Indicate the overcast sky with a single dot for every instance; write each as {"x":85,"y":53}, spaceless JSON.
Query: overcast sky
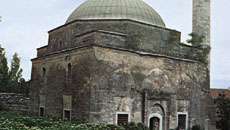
{"x":25,"y":24}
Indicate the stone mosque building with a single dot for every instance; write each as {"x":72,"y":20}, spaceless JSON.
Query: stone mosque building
{"x":115,"y":61}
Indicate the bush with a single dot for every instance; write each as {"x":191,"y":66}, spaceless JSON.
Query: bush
{"x":196,"y":127}
{"x":134,"y":126}
{"x":98,"y":127}
{"x":15,"y":121}
{"x":87,"y":126}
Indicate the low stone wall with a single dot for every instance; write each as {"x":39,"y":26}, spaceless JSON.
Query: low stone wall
{"x":14,"y":102}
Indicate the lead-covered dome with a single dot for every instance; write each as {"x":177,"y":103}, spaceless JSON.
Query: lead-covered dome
{"x":136,"y":10}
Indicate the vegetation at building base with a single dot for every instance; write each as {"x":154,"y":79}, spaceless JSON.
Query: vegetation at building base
{"x":223,"y":112}
{"x":11,"y":80}
{"x":196,"y":127}
{"x":14,"y":121}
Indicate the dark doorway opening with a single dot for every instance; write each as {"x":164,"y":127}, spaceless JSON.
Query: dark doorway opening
{"x":67,"y":115}
{"x":41,"y":111}
{"x":154,"y":123}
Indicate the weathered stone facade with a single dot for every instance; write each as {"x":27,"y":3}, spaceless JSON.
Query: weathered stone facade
{"x":113,"y":66}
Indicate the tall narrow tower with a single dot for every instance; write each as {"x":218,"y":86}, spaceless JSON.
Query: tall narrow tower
{"x":201,"y":26}
{"x":201,"y":19}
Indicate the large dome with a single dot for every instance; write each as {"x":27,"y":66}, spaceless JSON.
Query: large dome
{"x":136,"y":10}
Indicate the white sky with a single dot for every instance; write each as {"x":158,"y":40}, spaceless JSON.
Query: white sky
{"x":25,"y":24}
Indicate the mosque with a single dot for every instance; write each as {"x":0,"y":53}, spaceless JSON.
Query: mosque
{"x":115,"y":61}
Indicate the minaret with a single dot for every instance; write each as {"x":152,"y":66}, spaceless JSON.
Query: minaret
{"x":201,"y":19}
{"x":202,"y":23}
{"x":201,"y":26}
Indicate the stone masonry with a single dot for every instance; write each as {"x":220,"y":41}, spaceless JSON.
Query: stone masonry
{"x":96,"y":69}
{"x":14,"y":102}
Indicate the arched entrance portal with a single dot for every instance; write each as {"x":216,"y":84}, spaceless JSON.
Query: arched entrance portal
{"x":155,"y":122}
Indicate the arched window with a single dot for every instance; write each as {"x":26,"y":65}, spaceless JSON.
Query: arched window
{"x":43,"y":72}
{"x":42,"y":102}
{"x":60,"y":44}
{"x":69,"y":71}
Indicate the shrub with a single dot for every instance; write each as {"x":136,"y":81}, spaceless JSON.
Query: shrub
{"x":86,"y":127}
{"x":15,"y":121}
{"x":98,"y":127}
{"x":134,"y":126}
{"x":196,"y":127}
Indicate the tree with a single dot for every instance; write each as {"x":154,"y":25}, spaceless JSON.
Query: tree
{"x":15,"y":70}
{"x":196,"y":40}
{"x":223,"y":112}
{"x":4,"y":77}
{"x":15,"y":73}
{"x":11,"y":80}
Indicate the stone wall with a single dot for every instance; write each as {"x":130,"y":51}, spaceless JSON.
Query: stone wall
{"x":124,"y":74}
{"x":14,"y":102}
{"x":54,"y":84}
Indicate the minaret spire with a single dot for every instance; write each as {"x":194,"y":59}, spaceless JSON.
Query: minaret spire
{"x":202,"y":19}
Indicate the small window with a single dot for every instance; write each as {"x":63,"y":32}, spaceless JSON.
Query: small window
{"x":42,"y":100}
{"x":69,"y":73}
{"x":182,"y":121}
{"x":122,"y":119}
{"x":41,"y":111}
{"x":43,"y":72}
{"x":67,"y":115}
{"x":60,"y":44}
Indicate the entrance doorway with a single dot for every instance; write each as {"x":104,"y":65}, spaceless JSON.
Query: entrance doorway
{"x":154,"y":123}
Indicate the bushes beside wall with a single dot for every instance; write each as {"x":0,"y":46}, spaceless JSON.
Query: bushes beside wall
{"x":14,"y":121}
{"x":134,"y":126}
